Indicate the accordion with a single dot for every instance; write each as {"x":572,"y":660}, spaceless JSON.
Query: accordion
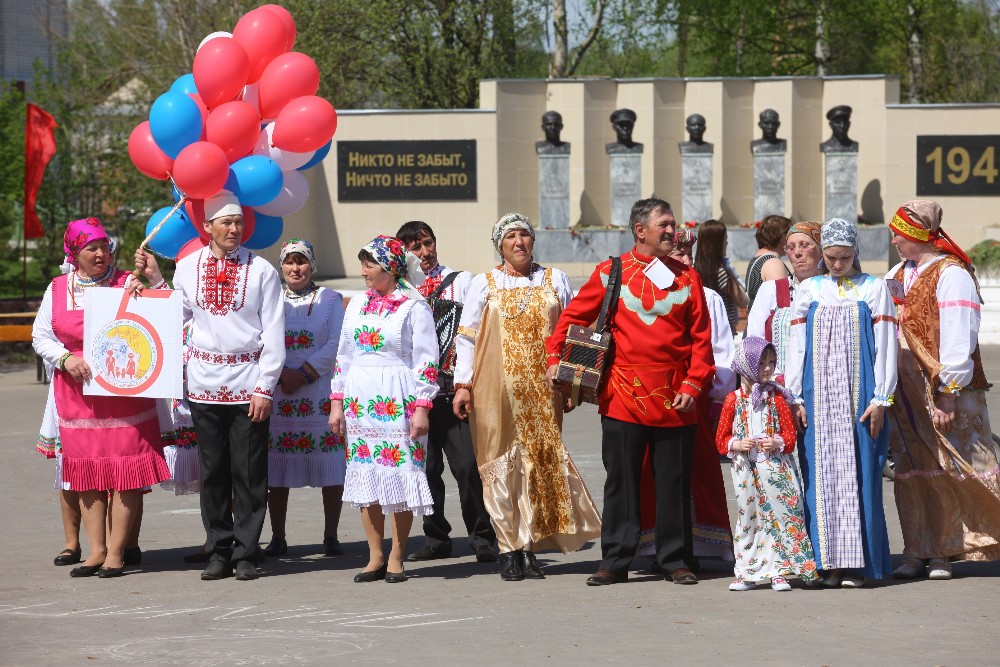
{"x":587,"y":351}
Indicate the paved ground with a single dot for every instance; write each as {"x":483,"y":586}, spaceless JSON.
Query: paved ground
{"x":306,"y":609}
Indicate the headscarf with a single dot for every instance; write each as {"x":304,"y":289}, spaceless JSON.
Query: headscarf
{"x":78,"y":234}
{"x":812,"y":229}
{"x":300,"y":246}
{"x":919,"y":220}
{"x":222,"y":204}
{"x":685,"y":237}
{"x":392,"y":255}
{"x":840,"y":233}
{"x":508,"y":222}
{"x":746,"y":362}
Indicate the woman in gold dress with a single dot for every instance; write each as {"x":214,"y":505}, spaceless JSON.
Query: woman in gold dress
{"x":532,"y":491}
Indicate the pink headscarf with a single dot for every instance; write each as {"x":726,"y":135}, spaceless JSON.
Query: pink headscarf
{"x":78,"y":234}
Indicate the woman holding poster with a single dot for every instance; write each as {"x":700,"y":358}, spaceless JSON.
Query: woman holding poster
{"x":109,"y":443}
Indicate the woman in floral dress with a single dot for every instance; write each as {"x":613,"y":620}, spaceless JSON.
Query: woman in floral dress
{"x":757,"y":432}
{"x":302,"y":449}
{"x":383,"y":385}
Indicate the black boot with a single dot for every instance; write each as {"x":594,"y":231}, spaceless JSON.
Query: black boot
{"x":510,"y":566}
{"x":530,"y":566}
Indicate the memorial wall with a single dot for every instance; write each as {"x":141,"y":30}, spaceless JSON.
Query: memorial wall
{"x":573,"y":154}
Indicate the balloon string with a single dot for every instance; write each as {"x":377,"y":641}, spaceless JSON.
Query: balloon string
{"x":156,"y":229}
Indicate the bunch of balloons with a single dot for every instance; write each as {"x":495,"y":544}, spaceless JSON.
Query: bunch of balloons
{"x":248,"y":120}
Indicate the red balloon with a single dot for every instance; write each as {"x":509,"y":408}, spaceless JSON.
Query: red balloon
{"x":264,"y":37}
{"x":290,"y":75}
{"x":203,"y":109}
{"x":233,"y":127}
{"x":249,"y":223}
{"x":195,"y":209}
{"x":146,"y":155}
{"x":304,"y":124}
{"x":286,"y":18}
{"x":192,"y":246}
{"x":201,"y":169}
{"x":220,"y":71}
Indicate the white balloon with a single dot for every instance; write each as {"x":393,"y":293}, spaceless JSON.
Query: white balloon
{"x":286,"y":159}
{"x":251,"y":95}
{"x":293,"y":195}
{"x":219,"y":33}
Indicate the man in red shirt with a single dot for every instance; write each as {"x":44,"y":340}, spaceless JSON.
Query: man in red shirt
{"x":662,"y":362}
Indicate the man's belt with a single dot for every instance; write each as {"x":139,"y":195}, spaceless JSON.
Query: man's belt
{"x":225,"y":358}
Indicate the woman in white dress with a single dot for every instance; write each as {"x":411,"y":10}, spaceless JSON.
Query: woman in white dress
{"x":384,"y":382}
{"x":302,"y":449}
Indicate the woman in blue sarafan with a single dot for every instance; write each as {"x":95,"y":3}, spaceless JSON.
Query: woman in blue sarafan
{"x":842,"y":374}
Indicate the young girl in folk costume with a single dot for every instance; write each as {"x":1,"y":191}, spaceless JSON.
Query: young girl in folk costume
{"x":757,"y":432}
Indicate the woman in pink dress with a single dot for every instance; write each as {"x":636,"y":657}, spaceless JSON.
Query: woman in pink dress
{"x":108,"y":443}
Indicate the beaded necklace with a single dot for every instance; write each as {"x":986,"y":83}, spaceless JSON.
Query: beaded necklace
{"x":522,"y":303}
{"x":83,"y":283}
{"x":298,"y":295}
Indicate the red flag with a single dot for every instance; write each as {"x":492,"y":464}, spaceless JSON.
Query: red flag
{"x":39,"y":147}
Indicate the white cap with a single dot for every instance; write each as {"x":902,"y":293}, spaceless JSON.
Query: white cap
{"x":224,"y":203}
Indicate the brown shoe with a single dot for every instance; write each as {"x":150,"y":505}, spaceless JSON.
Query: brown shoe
{"x":604,"y":578}
{"x":682,"y":575}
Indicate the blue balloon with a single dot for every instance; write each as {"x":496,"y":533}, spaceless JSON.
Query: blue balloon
{"x":255,"y":180}
{"x":184,"y":84}
{"x":318,"y":157}
{"x":177,"y":231}
{"x":266,"y":232}
{"x":175,"y":192}
{"x":174,"y":122}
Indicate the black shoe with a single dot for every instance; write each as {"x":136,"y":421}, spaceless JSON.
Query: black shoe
{"x":331,"y":547}
{"x":486,"y":554}
{"x":373,"y":575}
{"x":530,"y":567}
{"x":277,"y":547}
{"x":246,"y":571}
{"x":427,"y":552}
{"x":510,"y":566}
{"x":395,"y":577}
{"x":217,"y":569}
{"x":133,"y":556}
{"x":85,"y":570}
{"x":200,"y":556}
{"x":110,"y":572}
{"x":68,"y":557}
{"x":605,"y":578}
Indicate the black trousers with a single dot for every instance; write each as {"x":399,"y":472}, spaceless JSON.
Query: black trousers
{"x":450,"y":436}
{"x":623,"y":448}
{"x":233,"y":453}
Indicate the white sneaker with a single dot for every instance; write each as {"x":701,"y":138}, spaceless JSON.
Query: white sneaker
{"x":911,"y":568}
{"x":852,"y":582}
{"x":741,"y":585}
{"x":940,"y":569}
{"x":780,"y":584}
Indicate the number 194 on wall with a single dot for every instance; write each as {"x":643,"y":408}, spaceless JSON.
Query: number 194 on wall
{"x":958,"y":166}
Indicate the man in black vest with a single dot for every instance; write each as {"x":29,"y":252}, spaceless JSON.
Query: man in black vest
{"x":448,"y":436}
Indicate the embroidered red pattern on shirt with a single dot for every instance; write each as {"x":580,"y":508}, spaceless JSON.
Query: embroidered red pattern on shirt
{"x":223,"y":395}
{"x":228,"y":359}
{"x":263,"y":392}
{"x":219,"y":283}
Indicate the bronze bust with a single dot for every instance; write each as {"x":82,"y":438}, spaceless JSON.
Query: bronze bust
{"x":840,"y":122}
{"x":769,"y":141}
{"x":552,"y":126}
{"x":695,"y":126}
{"x":623,"y":122}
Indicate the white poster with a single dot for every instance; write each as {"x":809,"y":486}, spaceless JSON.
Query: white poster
{"x":133,"y":345}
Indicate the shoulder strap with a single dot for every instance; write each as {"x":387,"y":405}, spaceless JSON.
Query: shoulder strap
{"x":782,"y":293}
{"x":610,"y":302}
{"x":445,"y":283}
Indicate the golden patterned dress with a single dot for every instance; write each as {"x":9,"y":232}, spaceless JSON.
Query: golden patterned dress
{"x":532,"y":490}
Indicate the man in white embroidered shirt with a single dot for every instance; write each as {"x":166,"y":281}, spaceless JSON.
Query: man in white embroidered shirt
{"x":233,"y":299}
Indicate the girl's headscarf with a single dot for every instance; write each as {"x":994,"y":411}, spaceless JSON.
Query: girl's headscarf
{"x":392,"y":255}
{"x":840,"y":233}
{"x":78,"y":234}
{"x":508,"y":222}
{"x":746,"y":362}
{"x":812,"y":229}
{"x":300,"y":246}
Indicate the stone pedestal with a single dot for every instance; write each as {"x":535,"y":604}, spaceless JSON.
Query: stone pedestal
{"x":696,"y":186}
{"x":626,"y":185}
{"x":841,"y":177}
{"x":553,"y":190}
{"x":768,"y":184}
